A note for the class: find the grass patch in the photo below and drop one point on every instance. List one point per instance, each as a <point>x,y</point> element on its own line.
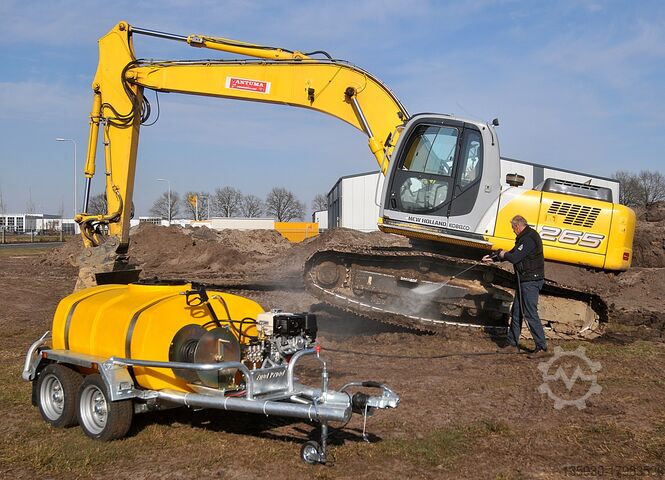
<point>645,446</point>
<point>441,448</point>
<point>495,427</point>
<point>601,439</point>
<point>641,349</point>
<point>654,445</point>
<point>63,452</point>
<point>25,251</point>
<point>15,391</point>
<point>633,381</point>
<point>435,448</point>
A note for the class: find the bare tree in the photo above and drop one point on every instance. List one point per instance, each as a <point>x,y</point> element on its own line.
<point>251,206</point>
<point>640,190</point>
<point>2,204</point>
<point>320,202</point>
<point>652,187</point>
<point>629,189</point>
<point>283,205</point>
<point>205,206</point>
<point>227,201</point>
<point>160,208</point>
<point>98,205</point>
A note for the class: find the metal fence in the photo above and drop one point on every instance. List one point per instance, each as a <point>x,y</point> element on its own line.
<point>34,237</point>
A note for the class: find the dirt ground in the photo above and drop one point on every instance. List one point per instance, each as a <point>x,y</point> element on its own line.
<point>466,411</point>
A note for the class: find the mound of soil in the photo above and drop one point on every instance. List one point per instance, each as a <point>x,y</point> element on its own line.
<point>649,243</point>
<point>635,297</point>
<point>173,251</point>
<point>62,257</point>
<point>187,252</point>
<point>290,264</point>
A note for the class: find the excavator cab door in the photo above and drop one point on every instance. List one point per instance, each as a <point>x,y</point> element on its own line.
<point>437,173</point>
<point>423,182</point>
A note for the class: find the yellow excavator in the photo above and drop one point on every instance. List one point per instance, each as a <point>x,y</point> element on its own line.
<point>443,189</point>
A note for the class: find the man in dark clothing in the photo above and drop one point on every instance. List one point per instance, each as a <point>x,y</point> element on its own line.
<point>529,264</point>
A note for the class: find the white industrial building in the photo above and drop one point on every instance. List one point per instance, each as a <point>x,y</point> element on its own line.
<point>34,222</point>
<point>353,202</point>
<point>321,217</point>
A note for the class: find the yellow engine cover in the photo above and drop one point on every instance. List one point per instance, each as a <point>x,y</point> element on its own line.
<point>139,322</point>
<point>574,230</point>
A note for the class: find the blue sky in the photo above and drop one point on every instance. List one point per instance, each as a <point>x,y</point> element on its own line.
<point>576,84</point>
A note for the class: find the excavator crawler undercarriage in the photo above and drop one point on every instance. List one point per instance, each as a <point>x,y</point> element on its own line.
<point>433,292</point>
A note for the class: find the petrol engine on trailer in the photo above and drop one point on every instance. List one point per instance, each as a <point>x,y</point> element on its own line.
<point>277,336</point>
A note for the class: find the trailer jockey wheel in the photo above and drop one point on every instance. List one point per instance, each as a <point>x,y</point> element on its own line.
<point>310,453</point>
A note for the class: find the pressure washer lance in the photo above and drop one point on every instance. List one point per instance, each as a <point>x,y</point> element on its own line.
<point>429,288</point>
<point>475,264</point>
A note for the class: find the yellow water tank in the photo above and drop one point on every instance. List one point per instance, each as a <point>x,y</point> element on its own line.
<point>140,322</point>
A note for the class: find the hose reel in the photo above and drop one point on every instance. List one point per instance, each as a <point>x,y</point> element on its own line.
<point>194,344</point>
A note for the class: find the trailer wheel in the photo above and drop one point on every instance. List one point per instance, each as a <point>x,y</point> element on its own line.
<point>98,416</point>
<point>56,388</point>
<point>310,452</point>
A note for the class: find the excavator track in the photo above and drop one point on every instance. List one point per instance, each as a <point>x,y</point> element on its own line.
<point>432,292</point>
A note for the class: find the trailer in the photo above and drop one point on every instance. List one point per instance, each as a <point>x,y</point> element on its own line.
<point>119,350</point>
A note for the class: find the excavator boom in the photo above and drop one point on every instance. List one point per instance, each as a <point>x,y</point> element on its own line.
<point>330,86</point>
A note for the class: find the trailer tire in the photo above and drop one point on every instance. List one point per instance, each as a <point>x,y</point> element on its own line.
<point>99,417</point>
<point>56,391</point>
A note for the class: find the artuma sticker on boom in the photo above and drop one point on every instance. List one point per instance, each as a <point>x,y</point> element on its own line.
<point>257,86</point>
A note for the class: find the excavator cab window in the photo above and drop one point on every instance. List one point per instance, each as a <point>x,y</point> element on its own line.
<point>470,167</point>
<point>432,151</point>
<point>426,172</point>
<point>440,170</point>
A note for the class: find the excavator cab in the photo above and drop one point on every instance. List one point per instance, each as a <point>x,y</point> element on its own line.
<point>444,178</point>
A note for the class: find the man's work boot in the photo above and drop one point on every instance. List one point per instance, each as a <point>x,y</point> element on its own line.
<point>539,352</point>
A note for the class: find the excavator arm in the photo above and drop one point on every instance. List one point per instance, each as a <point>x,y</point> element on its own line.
<point>270,74</point>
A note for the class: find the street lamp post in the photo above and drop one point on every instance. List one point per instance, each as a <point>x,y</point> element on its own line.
<point>169,184</point>
<point>75,171</point>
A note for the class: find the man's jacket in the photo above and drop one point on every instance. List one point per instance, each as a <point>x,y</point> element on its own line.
<point>527,256</point>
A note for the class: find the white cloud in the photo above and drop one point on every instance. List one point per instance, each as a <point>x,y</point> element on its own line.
<point>619,55</point>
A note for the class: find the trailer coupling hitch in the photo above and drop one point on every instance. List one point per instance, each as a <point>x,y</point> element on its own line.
<point>366,405</point>
<point>361,402</point>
